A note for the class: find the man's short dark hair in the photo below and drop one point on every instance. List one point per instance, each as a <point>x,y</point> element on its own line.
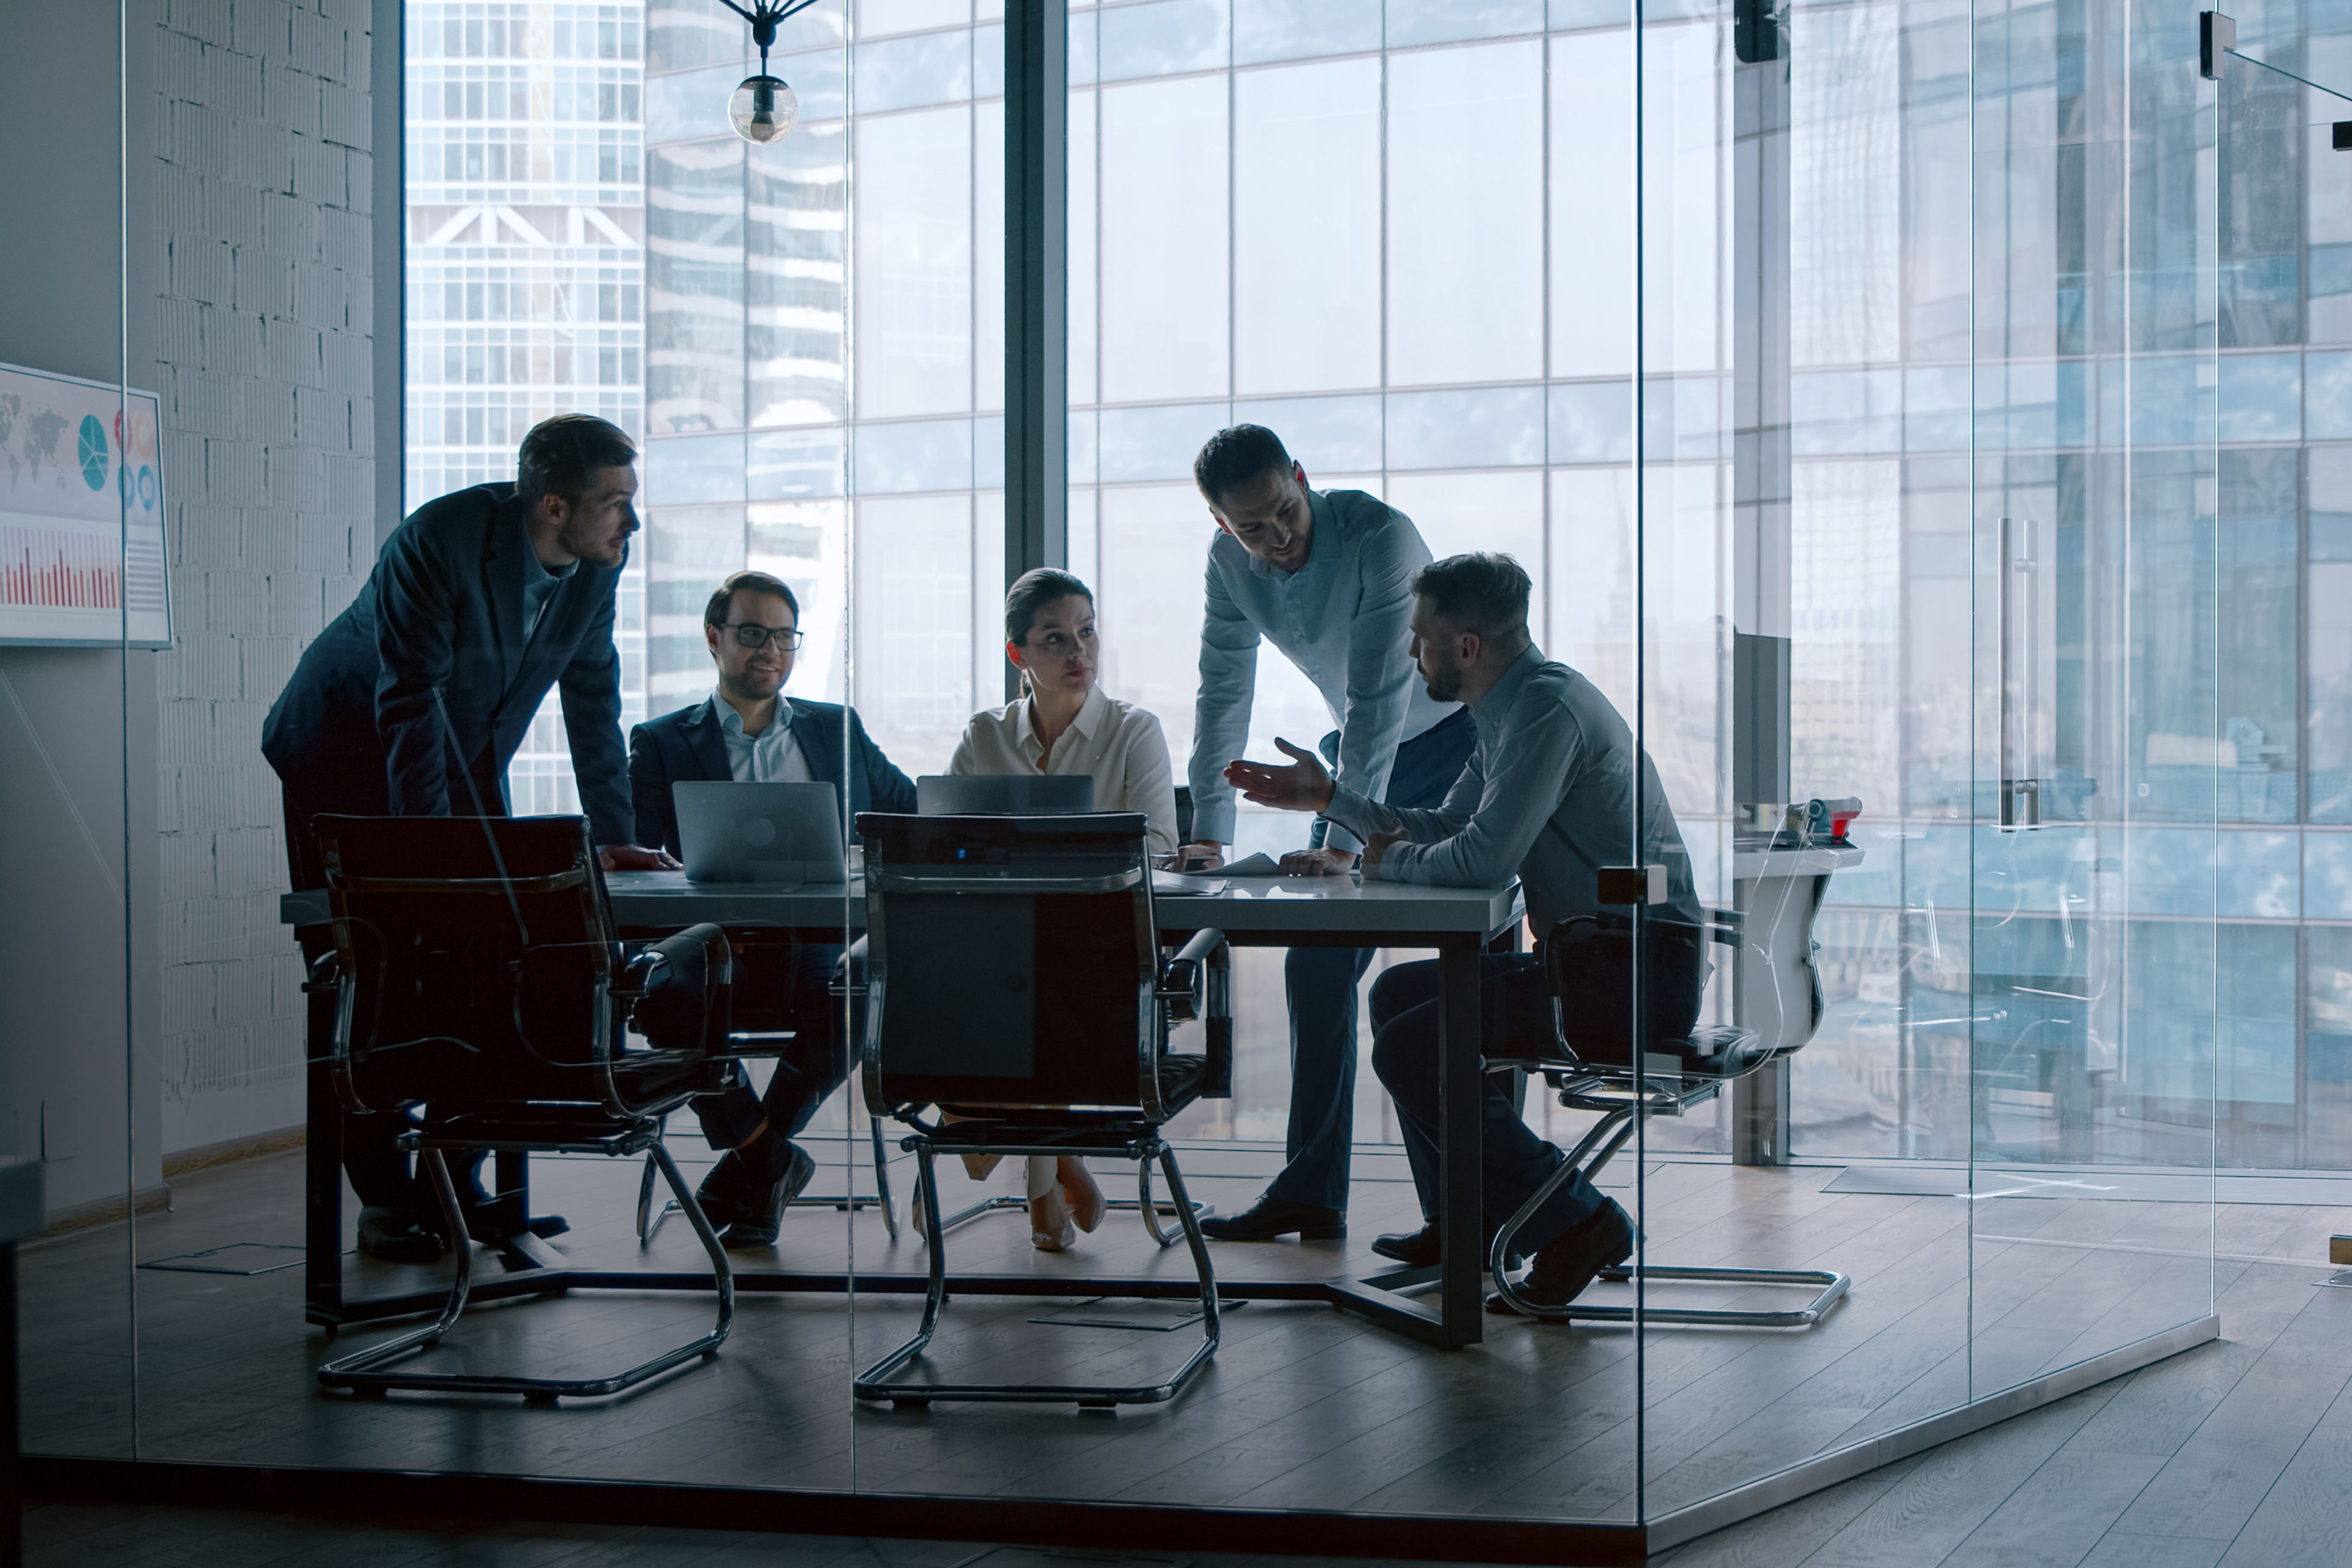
<point>1236,455</point>
<point>715,613</point>
<point>560,453</point>
<point>1482,591</point>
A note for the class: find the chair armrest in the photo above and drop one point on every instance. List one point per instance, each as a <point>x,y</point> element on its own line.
<point>1181,977</point>
<point>849,975</point>
<point>325,975</point>
<point>635,974</point>
<point>680,990</point>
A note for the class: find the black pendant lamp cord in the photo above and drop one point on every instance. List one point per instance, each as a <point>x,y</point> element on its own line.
<point>764,15</point>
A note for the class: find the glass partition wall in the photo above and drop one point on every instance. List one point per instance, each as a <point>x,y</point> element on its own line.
<point>1888,403</point>
<point>82,597</point>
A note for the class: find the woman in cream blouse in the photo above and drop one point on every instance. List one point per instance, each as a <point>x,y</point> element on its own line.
<point>1062,724</point>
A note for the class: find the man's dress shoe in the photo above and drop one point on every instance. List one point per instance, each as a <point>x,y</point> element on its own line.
<point>766,1190</point>
<point>1565,1265</point>
<point>1272,1218</point>
<point>1419,1247</point>
<point>399,1235</point>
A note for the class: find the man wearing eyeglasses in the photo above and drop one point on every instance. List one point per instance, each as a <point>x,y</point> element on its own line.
<point>748,730</point>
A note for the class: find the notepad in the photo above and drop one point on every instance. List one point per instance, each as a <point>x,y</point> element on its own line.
<point>1258,865</point>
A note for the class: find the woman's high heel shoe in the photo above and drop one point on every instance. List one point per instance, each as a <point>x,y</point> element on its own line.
<point>1085,1201</point>
<point>1050,1229</point>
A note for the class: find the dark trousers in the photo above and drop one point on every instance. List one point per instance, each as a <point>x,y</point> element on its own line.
<point>813,1062</point>
<point>1515,1017</point>
<point>1321,984</point>
<point>1512,1161</point>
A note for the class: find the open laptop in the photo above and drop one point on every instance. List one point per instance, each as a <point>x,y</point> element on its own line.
<point>731,832</point>
<point>1004,795</point>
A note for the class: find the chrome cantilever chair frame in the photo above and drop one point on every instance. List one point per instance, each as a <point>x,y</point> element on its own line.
<point>1622,1098</point>
<point>1193,984</point>
<point>1144,1147</point>
<point>599,1114</point>
<point>360,1372</point>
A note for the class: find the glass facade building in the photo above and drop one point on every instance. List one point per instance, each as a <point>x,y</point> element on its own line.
<point>1373,230</point>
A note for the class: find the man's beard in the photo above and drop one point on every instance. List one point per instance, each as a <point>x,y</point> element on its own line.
<point>578,540</point>
<point>1444,685</point>
<point>739,686</point>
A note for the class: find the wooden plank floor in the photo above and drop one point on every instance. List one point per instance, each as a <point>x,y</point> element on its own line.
<point>2232,1447</point>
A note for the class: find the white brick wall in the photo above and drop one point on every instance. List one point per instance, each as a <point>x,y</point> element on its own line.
<point>264,376</point>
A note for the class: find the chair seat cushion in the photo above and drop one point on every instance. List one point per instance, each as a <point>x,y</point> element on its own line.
<point>1180,1082</point>
<point>1717,1050</point>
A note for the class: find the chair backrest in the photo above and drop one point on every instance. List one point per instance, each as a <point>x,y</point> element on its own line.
<point>1780,985</point>
<point>1184,814</point>
<point>1004,794</point>
<point>1011,960</point>
<point>477,960</point>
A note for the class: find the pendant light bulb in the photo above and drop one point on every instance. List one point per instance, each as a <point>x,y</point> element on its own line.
<point>764,108</point>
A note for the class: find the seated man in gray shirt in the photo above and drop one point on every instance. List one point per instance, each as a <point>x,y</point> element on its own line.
<point>1548,796</point>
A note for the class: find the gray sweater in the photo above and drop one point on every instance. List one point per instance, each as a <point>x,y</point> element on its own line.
<point>1546,796</point>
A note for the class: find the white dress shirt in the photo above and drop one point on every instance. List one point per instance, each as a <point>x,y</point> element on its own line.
<point>1117,745</point>
<point>771,756</point>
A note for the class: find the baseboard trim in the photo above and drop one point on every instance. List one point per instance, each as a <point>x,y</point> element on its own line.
<point>76,1217</point>
<point>416,1496</point>
<point>230,1151</point>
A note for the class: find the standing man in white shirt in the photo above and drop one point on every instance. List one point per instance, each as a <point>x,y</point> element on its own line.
<point>748,730</point>
<point>1326,576</point>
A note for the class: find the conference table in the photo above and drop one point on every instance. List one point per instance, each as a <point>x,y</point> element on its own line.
<point>1444,1305</point>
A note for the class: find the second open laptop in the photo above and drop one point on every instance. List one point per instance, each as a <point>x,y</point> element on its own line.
<point>1004,795</point>
<point>780,833</point>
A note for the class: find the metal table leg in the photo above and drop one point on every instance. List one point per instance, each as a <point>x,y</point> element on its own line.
<point>1460,1081</point>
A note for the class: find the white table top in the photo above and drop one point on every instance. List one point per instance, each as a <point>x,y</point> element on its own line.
<point>1251,904</point>
<point>1240,904</point>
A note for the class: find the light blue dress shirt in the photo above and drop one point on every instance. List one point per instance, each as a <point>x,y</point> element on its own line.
<point>771,756</point>
<point>1344,619</point>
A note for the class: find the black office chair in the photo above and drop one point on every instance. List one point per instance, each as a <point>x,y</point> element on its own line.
<point>1590,1064</point>
<point>478,977</point>
<point>1014,977</point>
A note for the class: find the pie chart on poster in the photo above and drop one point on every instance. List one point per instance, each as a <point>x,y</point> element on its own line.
<point>93,452</point>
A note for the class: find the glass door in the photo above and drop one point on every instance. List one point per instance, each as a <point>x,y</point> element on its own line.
<point>2098,972</point>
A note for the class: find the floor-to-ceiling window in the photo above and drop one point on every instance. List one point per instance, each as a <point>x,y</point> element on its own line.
<point>524,239</point>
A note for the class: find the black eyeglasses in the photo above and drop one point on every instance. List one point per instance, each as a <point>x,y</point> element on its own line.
<point>750,633</point>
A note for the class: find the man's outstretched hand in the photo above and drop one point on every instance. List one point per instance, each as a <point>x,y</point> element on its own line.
<point>1303,786</point>
<point>634,858</point>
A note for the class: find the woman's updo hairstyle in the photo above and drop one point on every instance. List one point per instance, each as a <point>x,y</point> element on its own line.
<point>1032,591</point>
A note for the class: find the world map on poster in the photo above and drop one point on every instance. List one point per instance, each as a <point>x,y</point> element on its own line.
<point>81,513</point>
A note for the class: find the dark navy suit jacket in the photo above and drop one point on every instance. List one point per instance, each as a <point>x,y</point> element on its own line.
<point>688,744</point>
<point>413,700</point>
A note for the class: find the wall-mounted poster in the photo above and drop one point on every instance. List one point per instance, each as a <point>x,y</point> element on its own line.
<point>81,513</point>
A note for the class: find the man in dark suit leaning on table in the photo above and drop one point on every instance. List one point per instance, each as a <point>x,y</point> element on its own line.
<point>1548,796</point>
<point>414,700</point>
<point>748,730</point>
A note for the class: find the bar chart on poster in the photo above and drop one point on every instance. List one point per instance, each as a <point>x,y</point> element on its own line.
<point>81,513</point>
